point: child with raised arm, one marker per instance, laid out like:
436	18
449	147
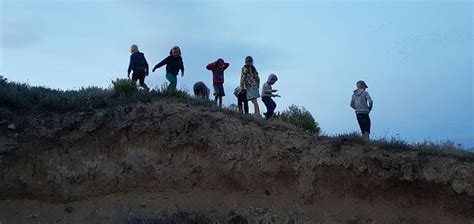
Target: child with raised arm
174	63
218	67
362	104
267	94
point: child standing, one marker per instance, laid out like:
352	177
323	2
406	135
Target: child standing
242	102
218	67
139	66
362	104
173	63
250	82
267	94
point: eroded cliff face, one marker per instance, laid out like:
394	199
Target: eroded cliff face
168	162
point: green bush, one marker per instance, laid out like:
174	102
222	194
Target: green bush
3	80
299	117
179	93
124	87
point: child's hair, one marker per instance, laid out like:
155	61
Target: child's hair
220	60
175	47
248	59
272	77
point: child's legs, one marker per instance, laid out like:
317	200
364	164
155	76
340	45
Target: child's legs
239	105
267	103
246	104
142	82
219	92
173	81
219	100
364	123
255	106
240	102
272	108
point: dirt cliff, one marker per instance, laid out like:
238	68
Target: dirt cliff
171	162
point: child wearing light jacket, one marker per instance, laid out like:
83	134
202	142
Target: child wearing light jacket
267	94
362	104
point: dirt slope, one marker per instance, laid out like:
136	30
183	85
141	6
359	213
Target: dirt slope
169	162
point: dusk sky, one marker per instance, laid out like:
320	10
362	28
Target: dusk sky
415	56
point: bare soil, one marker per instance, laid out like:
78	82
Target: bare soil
170	162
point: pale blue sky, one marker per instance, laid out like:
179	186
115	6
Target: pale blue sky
416	56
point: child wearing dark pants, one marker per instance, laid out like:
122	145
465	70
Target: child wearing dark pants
267	94
364	123
139	66
362	104
242	102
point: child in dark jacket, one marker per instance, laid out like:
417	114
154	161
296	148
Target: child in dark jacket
218	67
173	63
267	94
242	102
139	66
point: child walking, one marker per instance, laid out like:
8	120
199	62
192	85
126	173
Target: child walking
174	63
267	94
218	67
362	104
139	66
242	102
250	82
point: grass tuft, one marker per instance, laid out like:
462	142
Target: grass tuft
124	87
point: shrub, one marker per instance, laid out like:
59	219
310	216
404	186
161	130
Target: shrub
22	96
124	87
3	80
299	117
179	93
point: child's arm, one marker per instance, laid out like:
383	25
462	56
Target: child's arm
164	62
353	103
243	76
147	66
369	100
210	66
226	65
257	78
130	66
267	89
182	68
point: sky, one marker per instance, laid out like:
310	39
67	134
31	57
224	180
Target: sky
415	56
